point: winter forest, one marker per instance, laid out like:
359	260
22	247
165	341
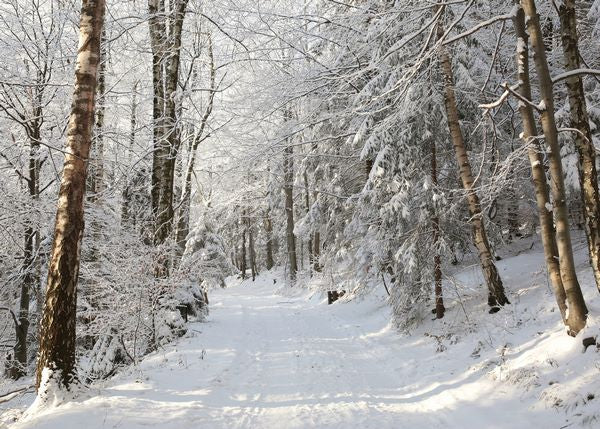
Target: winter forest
299	214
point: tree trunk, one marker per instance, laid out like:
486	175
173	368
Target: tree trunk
56	358
28	271
435	223
536	160
288	167
157	34
243	264
512	208
96	165
577	313
588	177
496	294
127	194
251	249
96	174
166	48
18	366
309	245
269	240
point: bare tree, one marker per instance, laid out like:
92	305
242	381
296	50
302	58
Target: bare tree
288	190
166	25
577	315
24	104
496	294
588	176
536	160
56	359
200	134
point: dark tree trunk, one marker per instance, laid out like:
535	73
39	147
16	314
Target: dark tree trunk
309	245
588	176
166	49
243	263
289	209
437	261
251	249
127	194
269	240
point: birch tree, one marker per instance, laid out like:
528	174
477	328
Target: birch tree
577	314
56	359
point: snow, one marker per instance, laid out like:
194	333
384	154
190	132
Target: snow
273	357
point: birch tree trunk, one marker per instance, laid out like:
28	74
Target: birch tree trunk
588	176
56	358
496	294
577	313
534	151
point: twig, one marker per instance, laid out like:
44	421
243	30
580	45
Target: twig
14	393
576	72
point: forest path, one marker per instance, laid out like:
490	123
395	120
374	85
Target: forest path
265	360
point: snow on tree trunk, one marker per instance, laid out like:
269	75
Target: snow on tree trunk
288	189
56	359
588	176
437	260
496	294
577	313
165	38
269	240
536	160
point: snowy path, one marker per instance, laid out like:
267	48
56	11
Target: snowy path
268	361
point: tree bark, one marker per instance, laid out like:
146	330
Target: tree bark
536	160
288	173
96	165
157	34
251	249
496	294
269	240
435	224
588	176
56	358
309	245
127	194
165	37
243	263
28	271
577	313
317	251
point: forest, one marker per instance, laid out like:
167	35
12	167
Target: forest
299	213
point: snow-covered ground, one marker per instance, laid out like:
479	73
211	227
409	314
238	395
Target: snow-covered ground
271	360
